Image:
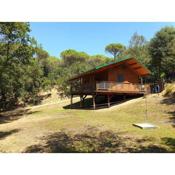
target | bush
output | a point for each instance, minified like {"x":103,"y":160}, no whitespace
{"x":169,"y":90}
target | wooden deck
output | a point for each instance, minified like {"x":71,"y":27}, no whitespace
{"x":108,"y":87}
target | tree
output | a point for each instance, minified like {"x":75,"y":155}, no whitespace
{"x":33,"y":82}
{"x":20,"y":73}
{"x":96,"y":60}
{"x":162,"y":51}
{"x":51,"y":72}
{"x":71,"y":56}
{"x":115,"y":49}
{"x":72,"y":63}
{"x":41,"y":53}
{"x":138,"y":48}
{"x":137,"y":40}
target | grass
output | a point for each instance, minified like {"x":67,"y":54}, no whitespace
{"x":169,"y":90}
{"x":39,"y":128}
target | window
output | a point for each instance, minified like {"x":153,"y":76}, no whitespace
{"x":120,"y":78}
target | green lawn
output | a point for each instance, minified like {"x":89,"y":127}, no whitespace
{"x":52,"y":128}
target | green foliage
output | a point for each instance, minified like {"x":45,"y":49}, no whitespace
{"x":25,"y":68}
{"x":72,"y":56}
{"x":47,"y":64}
{"x":138,"y":48}
{"x":41,"y":53}
{"x":162,"y":51}
{"x":96,"y":60}
{"x":115,"y":49}
{"x":50,"y":68}
{"x":15,"y":56}
{"x":33,"y":82}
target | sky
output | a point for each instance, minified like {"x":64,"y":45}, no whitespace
{"x":90,"y":37}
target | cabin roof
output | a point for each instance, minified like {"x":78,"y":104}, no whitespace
{"x":130,"y":61}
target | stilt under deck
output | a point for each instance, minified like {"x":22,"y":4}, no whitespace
{"x":94,"y":104}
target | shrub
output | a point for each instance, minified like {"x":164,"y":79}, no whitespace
{"x":169,"y":90}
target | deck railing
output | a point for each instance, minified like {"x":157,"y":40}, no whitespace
{"x":121,"y":87}
{"x":110,"y":86}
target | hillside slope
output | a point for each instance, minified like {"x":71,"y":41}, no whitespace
{"x":50,"y":127}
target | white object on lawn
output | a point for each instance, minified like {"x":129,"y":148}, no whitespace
{"x":145,"y":125}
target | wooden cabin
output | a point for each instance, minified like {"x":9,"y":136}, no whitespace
{"x":121,"y":77}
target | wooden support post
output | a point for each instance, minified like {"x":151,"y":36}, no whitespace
{"x":71,"y":101}
{"x":109,"y":101}
{"x":81,"y":100}
{"x":84,"y":97}
{"x":94,"y":105}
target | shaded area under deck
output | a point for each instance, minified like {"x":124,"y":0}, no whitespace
{"x":100,"y":100}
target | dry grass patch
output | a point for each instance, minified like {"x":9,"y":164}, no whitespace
{"x":36,"y":125}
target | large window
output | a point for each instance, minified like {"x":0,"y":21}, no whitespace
{"x":120,"y":78}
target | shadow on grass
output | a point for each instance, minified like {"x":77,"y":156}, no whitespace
{"x":172,"y":118}
{"x":171,"y":102}
{"x":168,"y":101}
{"x":101,"y":102}
{"x":9,"y":116}
{"x":92,"y":140}
{"x":170,"y":142}
{"x":173,"y":114}
{"x":4,"y":134}
{"x":149,"y":149}
{"x":87,"y":105}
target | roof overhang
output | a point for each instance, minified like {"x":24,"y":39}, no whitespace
{"x":133,"y":63}
{"x":138,"y":67}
